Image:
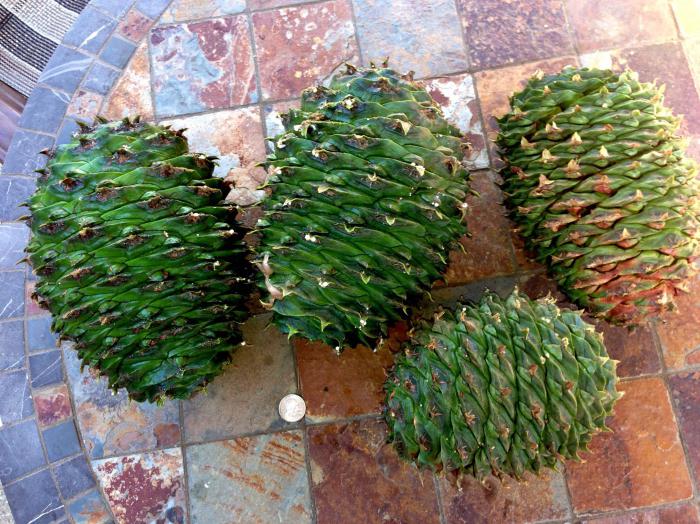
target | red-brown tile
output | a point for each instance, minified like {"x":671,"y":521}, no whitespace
{"x":298,"y":46}
{"x":687,"y":13}
{"x":84,"y":105}
{"x":134,"y":25}
{"x":535,"y":29}
{"x":269,"y":4}
{"x":635,"y":349}
{"x":52,"y":405}
{"x":32,"y":307}
{"x":685,"y":388}
{"x":681,"y":514}
{"x":679,"y":344}
{"x":132,"y":94}
{"x":535,"y":498}
{"x":356,"y":474}
{"x":640,"y":463}
{"x":183,"y":10}
{"x":540,"y":285}
{"x":488,"y":251}
{"x":616,"y":23}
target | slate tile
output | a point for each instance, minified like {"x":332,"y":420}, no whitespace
{"x":13,"y":191}
{"x":52,"y":404}
{"x":74,"y":477}
{"x":101,"y":78}
{"x":635,"y":349}
{"x":16,"y":398}
{"x":35,"y":500}
{"x":68,"y":128}
{"x":23,"y":156}
{"x":183,"y":10}
{"x":115,"y":9}
{"x":43,"y":112}
{"x":61,"y":441}
{"x":89,"y":509}
{"x":152,"y":8}
{"x":11,"y":294}
{"x":132,"y":92}
{"x":13,"y":240}
{"x":680,"y":345}
{"x":12,"y":345}
{"x":46,"y":368}
{"x":90,"y":30}
{"x":32,"y":307}
{"x":685,"y":388}
{"x":269,"y":4}
{"x":84,"y":105}
{"x":20,"y":450}
{"x":117,"y":52}
{"x":134,"y":25}
{"x":65,"y":69}
{"x":680,"y":514}
{"x":39,"y":334}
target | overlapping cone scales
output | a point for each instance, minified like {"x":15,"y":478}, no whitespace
{"x":598,"y":184}
{"x":502,"y":387}
{"x":366,"y":198}
{"x":137,"y":260}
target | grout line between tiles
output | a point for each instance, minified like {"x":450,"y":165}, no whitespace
{"x":438,"y":496}
{"x":185,"y":470}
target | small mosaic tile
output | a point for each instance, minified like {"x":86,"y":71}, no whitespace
{"x":61,"y":441}
{"x":152,"y":8}
{"x":255,"y":479}
{"x":46,"y":368}
{"x":35,"y":500}
{"x":686,"y":14}
{"x":89,"y":509}
{"x":685,"y":388}
{"x":13,"y":191}
{"x":111,"y":424}
{"x":65,"y":69}
{"x":680,"y":345}
{"x":617,"y":23}
{"x":13,"y":240}
{"x":183,"y":10}
{"x":132,"y":93}
{"x":681,"y":514}
{"x":634,"y":349}
{"x":23,"y":154}
{"x":148,"y":487}
{"x":299,"y":46}
{"x":90,"y":31}
{"x":84,"y":105}
{"x":11,"y":345}
{"x":74,"y":477}
{"x":101,"y":78}
{"x":356,"y":459}
{"x":11,"y":294}
{"x":16,"y":398}
{"x":425,"y":37}
{"x":239,"y":402}
{"x":134,"y":25}
{"x":639,"y":463}
{"x":20,"y":450}
{"x":39,"y":334}
{"x":52,"y":404}
{"x":202,"y":65}
{"x":117,"y":52}
{"x":534,"y":499}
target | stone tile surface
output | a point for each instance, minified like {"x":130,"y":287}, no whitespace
{"x":16,"y":399}
{"x":111,"y":424}
{"x":680,"y":514}
{"x":35,"y":500}
{"x":12,"y":345}
{"x":61,"y":441}
{"x":52,"y":404}
{"x":91,"y":30}
{"x":11,"y":294}
{"x":425,"y":37}
{"x":65,"y":69}
{"x":89,"y":509}
{"x":152,"y":8}
{"x":183,"y":10}
{"x":269,"y":4}
{"x":84,"y":105}
{"x":532,"y":500}
{"x":46,"y":368}
{"x":23,"y":154}
{"x":635,"y":349}
{"x":39,"y":334}
{"x":685,"y":389}
{"x":132,"y":93}
{"x":641,"y":463}
{"x":13,"y":239}
{"x":254,"y":479}
{"x":686,"y":14}
{"x":299,"y":46}
{"x":202,"y":65}
{"x":13,"y":191}
{"x":74,"y":477}
{"x":681,"y":346}
{"x":101,"y":78}
{"x":535,"y":30}
{"x":244,"y":399}
{"x":272,"y":114}
{"x":355,"y":459}
{"x":20,"y":450}
{"x":148,"y":487}
{"x":117,"y":52}
{"x":134,"y":25}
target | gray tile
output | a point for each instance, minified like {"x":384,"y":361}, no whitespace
{"x":20,"y":450}
{"x":68,"y":128}
{"x":101,"y":78}
{"x":12,"y":345}
{"x":65,"y":69}
{"x":35,"y":500}
{"x":90,"y":509}
{"x":115,"y":8}
{"x":44,"y":110}
{"x":46,"y":369}
{"x":13,"y":240}
{"x":90,"y":31}
{"x":117,"y":52}
{"x":15,"y":400}
{"x":23,"y":154}
{"x":74,"y":476}
{"x":14,"y":190}
{"x":152,"y":8}
{"x":39,"y":334}
{"x":61,"y":441}
{"x":11,"y":294}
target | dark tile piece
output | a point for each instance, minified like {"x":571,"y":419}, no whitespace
{"x":101,"y":78}
{"x":682,"y":514}
{"x":152,"y":8}
{"x":535,"y":30}
{"x":134,"y":26}
{"x":65,"y":69}
{"x":46,"y":368}
{"x":13,"y":191}
{"x":11,"y":294}
{"x":35,"y":500}
{"x":635,"y":349}
{"x":685,"y":388}
{"x":74,"y":477}
{"x":90,"y":31}
{"x":39,"y":334}
{"x":61,"y":441}
{"x":12,"y":345}
{"x":15,"y":398}
{"x":52,"y":404}
{"x":13,"y":239}
{"x":20,"y":450}
{"x":23,"y":155}
{"x":44,"y":111}
{"x":117,"y":52}
{"x":114,"y":9}
{"x":68,"y":128}
{"x":89,"y":509}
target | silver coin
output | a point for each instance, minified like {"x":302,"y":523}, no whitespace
{"x":292,"y":408}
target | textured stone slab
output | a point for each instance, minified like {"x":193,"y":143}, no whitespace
{"x":299,"y":46}
{"x":13,"y":191}
{"x":90,"y":31}
{"x":65,"y":69}
{"x":132,"y":93}
{"x":74,"y":477}
{"x":35,"y":500}
{"x":244,"y":399}
{"x":152,"y":8}
{"x":269,"y":4}
{"x":101,"y":78}
{"x":686,"y":14}
{"x":52,"y":404}
{"x":16,"y":399}
{"x":39,"y":334}
{"x":680,"y":345}
{"x":46,"y":368}
{"x":23,"y":154}
{"x":89,"y":509}
{"x":202,"y":65}
{"x":634,"y":349}
{"x":641,"y":463}
{"x":134,"y":25}
{"x":680,"y":514}
{"x":20,"y":450}
{"x":148,"y":487}
{"x":117,"y":52}
{"x":61,"y":441}
{"x":13,"y":240}
{"x":12,"y":345}
{"x":254,"y":479}
{"x":425,"y":37}
{"x":11,"y":294}
{"x":355,"y":472}
{"x":84,"y":105}
{"x":111,"y":424}
{"x":183,"y":10}
{"x":685,"y":388}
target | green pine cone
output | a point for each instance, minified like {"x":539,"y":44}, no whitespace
{"x":138,"y":259}
{"x":366,"y":197}
{"x":501,"y":387}
{"x":598,"y":184}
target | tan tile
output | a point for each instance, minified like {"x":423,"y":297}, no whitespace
{"x":687,"y":13}
{"x":131,"y":95}
{"x":184,"y":10}
{"x":681,"y":345}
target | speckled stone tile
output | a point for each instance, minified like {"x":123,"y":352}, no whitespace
{"x":254,"y":479}
{"x":355,"y":472}
{"x":111,"y":424}
{"x":89,"y":509}
{"x":635,"y":349}
{"x":148,"y":487}
{"x":616,"y":23}
{"x":535,"y":29}
{"x":241,"y":401}
{"x":640,"y":463}
{"x":425,"y":37}
{"x":134,"y":25}
{"x":182,"y":10}
{"x":131,"y":95}
{"x":202,"y":65}
{"x":84,"y":105}
{"x":686,"y":13}
{"x":681,"y":346}
{"x":685,"y":389}
{"x":457,"y":98}
{"x":52,"y":404}
{"x":240,"y":146}
{"x":680,"y":514}
{"x":534,"y":499}
{"x":299,"y":46}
